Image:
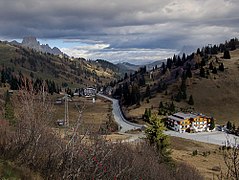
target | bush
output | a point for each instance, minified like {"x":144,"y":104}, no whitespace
{"x":195,"y":152}
{"x":32,"y":143}
{"x":191,"y":101}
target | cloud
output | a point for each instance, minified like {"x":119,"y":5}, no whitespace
{"x":122,"y":24}
{"x":115,"y":55}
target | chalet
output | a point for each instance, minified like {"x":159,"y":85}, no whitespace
{"x":188,"y":122}
{"x":90,"y":92}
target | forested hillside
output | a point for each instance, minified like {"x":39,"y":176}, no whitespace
{"x":18,"y":64}
{"x":204,"y":81}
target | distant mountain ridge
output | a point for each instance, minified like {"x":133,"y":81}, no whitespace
{"x":134,"y":67}
{"x":187,"y":50}
{"x":17,"y":60}
{"x":31,"y":42}
{"x":128,"y":66}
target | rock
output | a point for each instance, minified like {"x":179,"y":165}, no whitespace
{"x":31,"y":42}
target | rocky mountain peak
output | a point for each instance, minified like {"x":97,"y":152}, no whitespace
{"x":31,"y":42}
{"x":30,"y":39}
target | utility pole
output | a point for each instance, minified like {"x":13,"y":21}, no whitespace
{"x":66,"y":111}
{"x":43,"y":92}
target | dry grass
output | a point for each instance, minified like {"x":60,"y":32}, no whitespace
{"x":117,"y":137}
{"x":94,"y":114}
{"x":219,"y":96}
{"x":8,"y":170}
{"x":208,"y":165}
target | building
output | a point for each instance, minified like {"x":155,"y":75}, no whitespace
{"x":90,"y":92}
{"x":188,"y":122}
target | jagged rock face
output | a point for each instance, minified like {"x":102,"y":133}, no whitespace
{"x":31,"y":42}
{"x":46,"y":48}
{"x":15,"y":43}
{"x":55,"y":50}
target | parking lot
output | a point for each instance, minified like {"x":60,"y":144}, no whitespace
{"x":215,"y":137}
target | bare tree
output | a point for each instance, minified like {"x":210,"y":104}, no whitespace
{"x":231,"y":159}
{"x":34,"y":144}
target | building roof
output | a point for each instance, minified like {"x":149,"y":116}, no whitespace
{"x":180,"y":116}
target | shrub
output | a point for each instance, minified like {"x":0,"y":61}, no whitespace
{"x":195,"y":152}
{"x":32,"y":143}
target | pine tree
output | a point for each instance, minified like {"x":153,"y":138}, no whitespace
{"x":163,"y":68}
{"x":3,"y":76}
{"x":172,"y":107}
{"x":183,"y":89}
{"x":198,"y":51}
{"x":190,"y":101}
{"x":226,"y":55}
{"x":169,"y":63}
{"x":203,"y":63}
{"x":157,"y":138}
{"x":202,"y":72}
{"x":221,"y":67}
{"x":189,"y":73}
{"x":212,"y":124}
{"x":211,"y":66}
{"x":147,"y":92}
{"x":174,"y":59}
{"x":178,"y":97}
{"x":161,"y":104}
{"x":126,"y":76}
{"x":161,"y":108}
{"x":229,"y":125}
{"x":147,"y":114}
{"x":214,"y":71}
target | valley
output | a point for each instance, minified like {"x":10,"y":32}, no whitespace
{"x":162,"y":90}
{"x":119,"y":90}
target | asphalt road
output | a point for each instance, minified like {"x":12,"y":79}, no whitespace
{"x":124,"y":125}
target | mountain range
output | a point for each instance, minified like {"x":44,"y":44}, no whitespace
{"x":31,"y":42}
{"x":18,"y":59}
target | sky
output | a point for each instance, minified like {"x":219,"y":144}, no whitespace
{"x":121,"y":30}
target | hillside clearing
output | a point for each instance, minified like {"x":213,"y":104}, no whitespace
{"x":209,"y":160}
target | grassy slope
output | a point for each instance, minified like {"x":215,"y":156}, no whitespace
{"x":93,"y":114}
{"x":48,"y":65}
{"x":207,"y":165}
{"x":7,"y":52}
{"x":217,"y":96}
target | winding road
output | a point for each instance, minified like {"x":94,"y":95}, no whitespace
{"x":124,"y":125}
{"x":215,"y":137}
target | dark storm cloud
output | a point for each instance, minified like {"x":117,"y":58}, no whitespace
{"x":121,"y":24}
